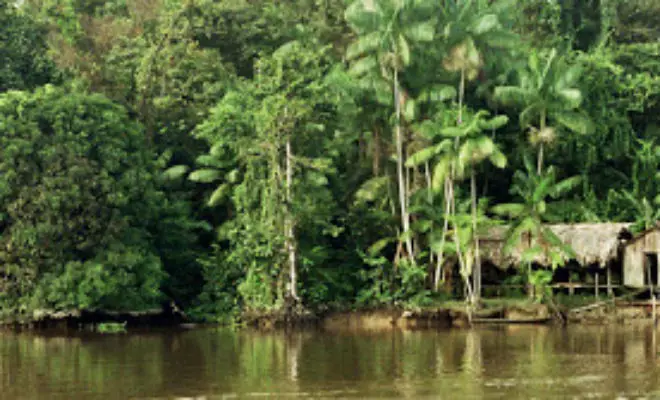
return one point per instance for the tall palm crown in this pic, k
(387, 29)
(549, 98)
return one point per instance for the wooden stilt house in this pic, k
(641, 259)
(598, 248)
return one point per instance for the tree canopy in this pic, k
(257, 156)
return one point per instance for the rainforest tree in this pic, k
(257, 155)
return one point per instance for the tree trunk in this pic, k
(476, 273)
(429, 199)
(405, 220)
(427, 176)
(445, 228)
(461, 95)
(289, 225)
(376, 152)
(539, 165)
(459, 252)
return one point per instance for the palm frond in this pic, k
(205, 175)
(420, 32)
(485, 24)
(175, 172)
(564, 186)
(219, 194)
(371, 189)
(575, 121)
(509, 210)
(363, 65)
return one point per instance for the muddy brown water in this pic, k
(504, 362)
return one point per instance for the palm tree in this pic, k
(535, 208)
(472, 29)
(387, 29)
(457, 151)
(549, 99)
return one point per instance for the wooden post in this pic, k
(653, 294)
(651, 290)
(655, 314)
(610, 292)
(571, 290)
(596, 285)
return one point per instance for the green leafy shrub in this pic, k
(76, 194)
(111, 327)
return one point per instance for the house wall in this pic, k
(635, 257)
(633, 267)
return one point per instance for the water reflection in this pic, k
(495, 362)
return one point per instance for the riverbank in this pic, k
(447, 315)
(76, 319)
(450, 314)
(457, 315)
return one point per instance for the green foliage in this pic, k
(540, 279)
(111, 327)
(536, 209)
(460, 147)
(547, 94)
(195, 146)
(23, 51)
(73, 170)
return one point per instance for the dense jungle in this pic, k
(237, 156)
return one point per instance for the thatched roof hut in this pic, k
(594, 244)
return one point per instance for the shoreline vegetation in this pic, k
(304, 158)
(448, 315)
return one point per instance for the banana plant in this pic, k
(214, 167)
(529, 216)
(549, 98)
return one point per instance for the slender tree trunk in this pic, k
(477, 257)
(427, 176)
(376, 152)
(445, 228)
(530, 286)
(274, 191)
(362, 149)
(459, 251)
(461, 96)
(410, 181)
(429, 199)
(405, 219)
(539, 165)
(290, 231)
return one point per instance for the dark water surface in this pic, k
(505, 362)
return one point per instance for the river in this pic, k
(504, 362)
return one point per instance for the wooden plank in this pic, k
(612, 301)
(577, 286)
(509, 321)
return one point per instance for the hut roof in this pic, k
(642, 234)
(596, 243)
